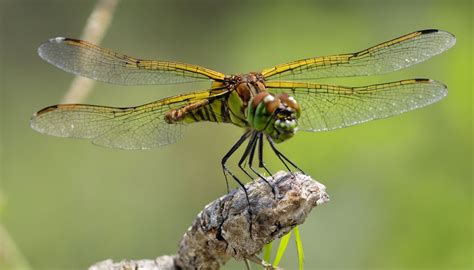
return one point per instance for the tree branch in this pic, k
(226, 229)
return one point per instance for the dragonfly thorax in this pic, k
(243, 88)
(275, 115)
(248, 85)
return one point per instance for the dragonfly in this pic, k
(272, 104)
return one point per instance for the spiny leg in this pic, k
(242, 160)
(281, 156)
(261, 164)
(252, 152)
(226, 170)
(247, 151)
(229, 154)
(277, 153)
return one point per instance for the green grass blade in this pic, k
(267, 252)
(299, 248)
(281, 248)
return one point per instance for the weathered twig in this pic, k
(226, 229)
(97, 24)
(160, 263)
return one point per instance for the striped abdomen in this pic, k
(212, 110)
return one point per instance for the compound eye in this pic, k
(290, 102)
(269, 101)
(258, 98)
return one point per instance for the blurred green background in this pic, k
(401, 188)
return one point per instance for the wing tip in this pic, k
(57, 40)
(443, 88)
(45, 47)
(429, 31)
(425, 80)
(450, 38)
(45, 110)
(34, 123)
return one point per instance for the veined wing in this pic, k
(141, 127)
(327, 107)
(389, 56)
(91, 61)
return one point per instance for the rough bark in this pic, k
(227, 229)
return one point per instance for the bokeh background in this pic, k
(401, 188)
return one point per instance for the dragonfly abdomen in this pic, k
(214, 110)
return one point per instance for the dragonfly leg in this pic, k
(282, 157)
(247, 151)
(227, 171)
(251, 155)
(229, 154)
(244, 156)
(261, 164)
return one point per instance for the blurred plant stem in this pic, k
(10, 256)
(97, 24)
(95, 29)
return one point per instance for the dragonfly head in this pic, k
(275, 115)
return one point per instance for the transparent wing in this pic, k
(141, 127)
(389, 56)
(91, 61)
(327, 107)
